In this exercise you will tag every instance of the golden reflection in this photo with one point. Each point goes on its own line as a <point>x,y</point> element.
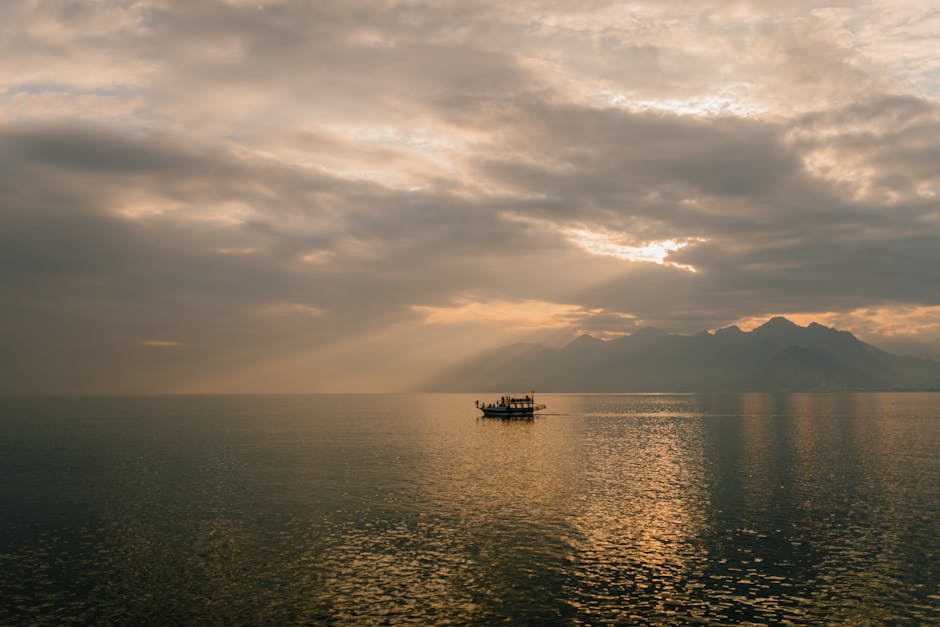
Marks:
<point>642,503</point>
<point>476,517</point>
<point>756,404</point>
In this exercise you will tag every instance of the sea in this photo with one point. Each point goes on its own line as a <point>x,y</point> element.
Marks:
<point>393,509</point>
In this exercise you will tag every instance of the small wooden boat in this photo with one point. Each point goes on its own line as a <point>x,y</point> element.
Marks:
<point>509,406</point>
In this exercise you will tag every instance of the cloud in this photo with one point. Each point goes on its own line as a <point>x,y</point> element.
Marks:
<point>161,343</point>
<point>910,329</point>
<point>295,184</point>
<point>523,315</point>
<point>609,244</point>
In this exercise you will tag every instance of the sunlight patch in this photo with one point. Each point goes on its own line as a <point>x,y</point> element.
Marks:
<point>609,244</point>
<point>318,256</point>
<point>160,343</point>
<point>887,321</point>
<point>235,251</point>
<point>287,309</point>
<point>526,314</point>
<point>704,106</point>
<point>141,206</point>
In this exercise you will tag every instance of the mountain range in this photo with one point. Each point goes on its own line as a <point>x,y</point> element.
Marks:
<point>776,356</point>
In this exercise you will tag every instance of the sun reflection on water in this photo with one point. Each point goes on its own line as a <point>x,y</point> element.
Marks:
<point>641,504</point>
<point>348,509</point>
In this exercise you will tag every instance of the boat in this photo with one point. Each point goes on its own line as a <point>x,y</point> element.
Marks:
<point>509,406</point>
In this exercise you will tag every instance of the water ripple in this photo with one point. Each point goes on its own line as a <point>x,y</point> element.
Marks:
<point>666,509</point>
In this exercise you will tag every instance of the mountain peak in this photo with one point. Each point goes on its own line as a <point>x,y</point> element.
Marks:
<point>584,340</point>
<point>778,323</point>
<point>821,329</point>
<point>777,356</point>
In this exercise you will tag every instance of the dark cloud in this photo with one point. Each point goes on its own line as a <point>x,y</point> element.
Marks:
<point>216,195</point>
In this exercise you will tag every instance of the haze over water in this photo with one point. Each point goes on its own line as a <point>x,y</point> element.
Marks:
<point>394,508</point>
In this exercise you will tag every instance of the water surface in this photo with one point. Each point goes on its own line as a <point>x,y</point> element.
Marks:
<point>408,508</point>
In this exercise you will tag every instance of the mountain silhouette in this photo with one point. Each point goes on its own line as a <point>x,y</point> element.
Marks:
<point>779,355</point>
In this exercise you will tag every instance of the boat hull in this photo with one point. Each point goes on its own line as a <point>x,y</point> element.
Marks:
<point>500,412</point>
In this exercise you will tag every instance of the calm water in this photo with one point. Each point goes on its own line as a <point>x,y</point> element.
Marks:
<point>364,509</point>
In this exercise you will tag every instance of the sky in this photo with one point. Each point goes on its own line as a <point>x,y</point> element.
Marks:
<point>287,196</point>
